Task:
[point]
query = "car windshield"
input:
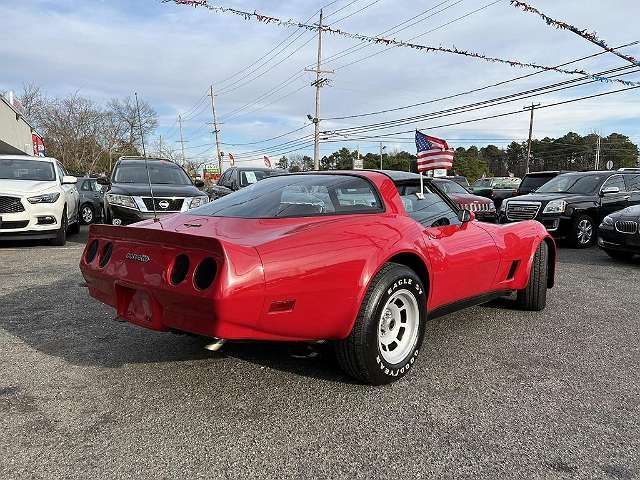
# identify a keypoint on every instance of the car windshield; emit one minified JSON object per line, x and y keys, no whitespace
{"x":533,"y":182}
{"x":483,"y":182}
{"x":447,"y":186}
{"x":17,"y":169}
{"x":573,"y":183}
{"x":161,"y":172}
{"x":249,"y":177}
{"x":297,"y":196}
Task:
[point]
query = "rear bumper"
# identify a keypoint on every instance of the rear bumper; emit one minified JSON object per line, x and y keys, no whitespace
{"x":137,"y":281}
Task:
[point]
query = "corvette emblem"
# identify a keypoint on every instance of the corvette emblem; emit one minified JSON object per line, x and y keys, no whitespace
{"x":163,"y":204}
{"x":137,"y":257}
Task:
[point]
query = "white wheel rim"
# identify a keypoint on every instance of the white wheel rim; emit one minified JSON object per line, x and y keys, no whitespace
{"x":87,"y":214}
{"x":398,"y":327}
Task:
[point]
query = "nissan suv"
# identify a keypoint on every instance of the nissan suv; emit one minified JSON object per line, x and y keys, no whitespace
{"x":128,"y":198}
{"x":572,"y":205}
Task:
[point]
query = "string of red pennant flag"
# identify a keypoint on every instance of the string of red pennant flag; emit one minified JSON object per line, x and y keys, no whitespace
{"x":392,"y":41}
{"x":590,"y":36}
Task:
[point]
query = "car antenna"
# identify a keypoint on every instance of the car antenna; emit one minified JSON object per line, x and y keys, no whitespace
{"x":146,"y":164}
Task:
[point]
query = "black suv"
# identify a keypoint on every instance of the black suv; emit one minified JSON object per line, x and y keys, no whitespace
{"x":572,"y":205}
{"x":235,"y":178}
{"x":128,"y":196}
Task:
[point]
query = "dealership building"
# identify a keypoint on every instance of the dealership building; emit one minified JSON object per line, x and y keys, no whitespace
{"x":17,"y":136}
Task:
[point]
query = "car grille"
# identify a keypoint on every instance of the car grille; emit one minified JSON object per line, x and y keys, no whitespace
{"x":522,"y":211}
{"x":164,"y":204}
{"x":10,"y":205}
{"x":627,"y":226}
{"x":16,"y":224}
{"x":478,"y":207}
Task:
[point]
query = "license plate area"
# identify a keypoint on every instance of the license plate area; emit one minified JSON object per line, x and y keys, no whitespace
{"x":138,"y":306}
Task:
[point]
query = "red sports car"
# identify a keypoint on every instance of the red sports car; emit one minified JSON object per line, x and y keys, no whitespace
{"x":340,"y":256}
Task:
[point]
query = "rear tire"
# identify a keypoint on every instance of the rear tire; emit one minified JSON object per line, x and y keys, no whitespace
{"x":61,"y":235}
{"x":534,"y":296}
{"x":388,"y":332}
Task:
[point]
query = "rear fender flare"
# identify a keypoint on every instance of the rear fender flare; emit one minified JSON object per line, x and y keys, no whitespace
{"x":407,"y":257}
{"x":553,"y":252}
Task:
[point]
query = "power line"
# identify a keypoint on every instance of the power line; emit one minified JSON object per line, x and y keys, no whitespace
{"x":480,"y":105}
{"x":475,"y":90}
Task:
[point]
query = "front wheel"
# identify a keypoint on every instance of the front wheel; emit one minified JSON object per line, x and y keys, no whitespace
{"x":87,"y":215}
{"x":60,"y":239}
{"x":387,"y":334}
{"x":582,"y":231}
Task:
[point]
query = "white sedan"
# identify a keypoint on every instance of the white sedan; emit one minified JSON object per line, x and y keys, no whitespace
{"x":38,"y":200}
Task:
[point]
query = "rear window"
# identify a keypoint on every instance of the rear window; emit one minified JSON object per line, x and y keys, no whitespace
{"x":534,"y":182}
{"x":297,"y":196}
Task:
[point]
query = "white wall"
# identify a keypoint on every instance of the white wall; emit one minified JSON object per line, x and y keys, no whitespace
{"x":15,"y":134}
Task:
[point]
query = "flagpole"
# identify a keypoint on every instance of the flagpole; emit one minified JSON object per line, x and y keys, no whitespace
{"x":421,"y":184}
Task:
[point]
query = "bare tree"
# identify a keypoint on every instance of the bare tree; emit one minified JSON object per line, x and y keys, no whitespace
{"x":125,"y":112}
{"x":34,"y":102}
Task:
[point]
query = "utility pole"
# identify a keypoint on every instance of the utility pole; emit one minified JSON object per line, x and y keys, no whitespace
{"x":319,"y":83}
{"x":216,"y":130}
{"x":597,"y":165}
{"x":532,"y":108}
{"x":181,"y":138}
{"x":381,"y":148}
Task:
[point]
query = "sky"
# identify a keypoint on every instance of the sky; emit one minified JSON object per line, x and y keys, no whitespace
{"x":170,"y":54}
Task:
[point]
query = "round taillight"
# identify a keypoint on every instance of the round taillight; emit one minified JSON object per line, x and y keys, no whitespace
{"x":105,"y":255}
{"x":205,"y":273}
{"x":92,"y":251}
{"x":179,"y":270}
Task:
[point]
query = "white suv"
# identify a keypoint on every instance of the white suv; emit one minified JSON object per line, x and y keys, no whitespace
{"x":38,"y":199}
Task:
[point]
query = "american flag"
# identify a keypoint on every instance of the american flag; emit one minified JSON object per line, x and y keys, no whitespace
{"x":433,"y":153}
{"x":232,"y":159}
{"x":267,"y":162}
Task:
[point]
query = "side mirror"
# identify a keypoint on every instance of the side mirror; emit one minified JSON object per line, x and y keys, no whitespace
{"x":69,"y":180}
{"x":465,"y":215}
{"x":609,"y":191}
{"x":103,"y":181}
{"x":198,"y":183}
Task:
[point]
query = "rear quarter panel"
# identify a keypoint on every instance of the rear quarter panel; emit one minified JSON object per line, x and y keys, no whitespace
{"x":326,"y":267}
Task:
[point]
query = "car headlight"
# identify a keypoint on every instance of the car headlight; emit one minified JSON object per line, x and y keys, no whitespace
{"x":122,"y":200}
{"x":46,"y":198}
{"x":555,"y":206}
{"x":607,"y":220}
{"x":198,"y":201}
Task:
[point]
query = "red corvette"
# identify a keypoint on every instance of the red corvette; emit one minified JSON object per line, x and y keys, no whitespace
{"x":356,"y":258}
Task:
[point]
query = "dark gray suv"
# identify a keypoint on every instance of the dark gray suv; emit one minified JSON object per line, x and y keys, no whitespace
{"x":91,"y":197}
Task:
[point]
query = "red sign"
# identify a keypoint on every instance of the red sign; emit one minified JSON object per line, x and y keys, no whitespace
{"x":38,"y":146}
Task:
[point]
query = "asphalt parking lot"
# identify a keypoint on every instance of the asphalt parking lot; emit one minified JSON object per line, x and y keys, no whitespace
{"x":497,"y":393}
